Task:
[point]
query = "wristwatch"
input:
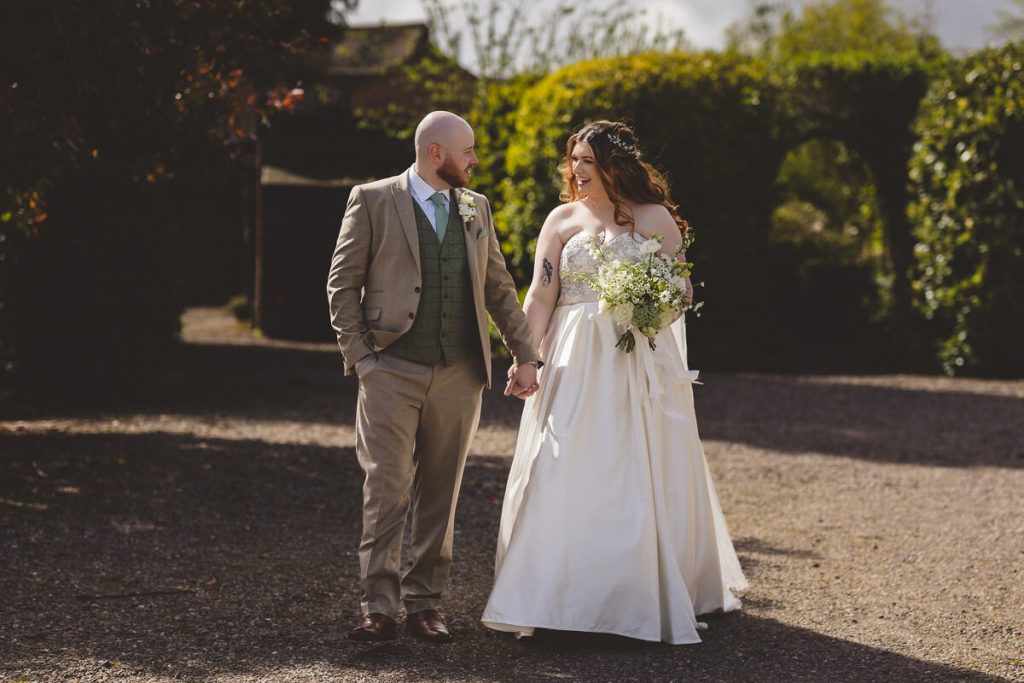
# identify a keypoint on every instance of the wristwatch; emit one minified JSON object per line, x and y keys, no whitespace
{"x":535,"y":363}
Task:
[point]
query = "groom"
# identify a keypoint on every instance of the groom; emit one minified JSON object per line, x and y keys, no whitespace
{"x":415,"y":272}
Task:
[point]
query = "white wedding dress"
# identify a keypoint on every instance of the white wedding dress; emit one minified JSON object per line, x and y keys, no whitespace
{"x":610,"y":522}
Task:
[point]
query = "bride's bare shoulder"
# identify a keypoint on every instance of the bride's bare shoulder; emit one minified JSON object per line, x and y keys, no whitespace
{"x":655,"y":219}
{"x":562,"y":211}
{"x":652,"y":213}
{"x":563,"y":221}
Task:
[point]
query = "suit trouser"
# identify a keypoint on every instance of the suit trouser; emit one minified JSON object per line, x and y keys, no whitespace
{"x":414,"y":424}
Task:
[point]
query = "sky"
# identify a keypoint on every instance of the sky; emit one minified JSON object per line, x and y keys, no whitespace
{"x":960,"y":24}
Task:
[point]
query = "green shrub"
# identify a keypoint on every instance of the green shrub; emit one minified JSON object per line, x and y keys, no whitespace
{"x":493,"y":115}
{"x":968,"y":176}
{"x":797,"y":219}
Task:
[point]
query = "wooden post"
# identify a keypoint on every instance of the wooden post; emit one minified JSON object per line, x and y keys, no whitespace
{"x":257,"y":287}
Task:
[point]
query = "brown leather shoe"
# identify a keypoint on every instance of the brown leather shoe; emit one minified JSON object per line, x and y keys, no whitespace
{"x":428,"y":625}
{"x":373,"y":627}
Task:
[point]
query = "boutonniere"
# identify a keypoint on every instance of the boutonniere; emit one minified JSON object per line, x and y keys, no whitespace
{"x":467,"y":207}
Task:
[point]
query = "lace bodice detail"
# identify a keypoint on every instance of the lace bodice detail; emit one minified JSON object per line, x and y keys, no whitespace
{"x":576,"y":258}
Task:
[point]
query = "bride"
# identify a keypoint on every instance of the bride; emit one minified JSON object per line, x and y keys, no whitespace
{"x":610,"y":521}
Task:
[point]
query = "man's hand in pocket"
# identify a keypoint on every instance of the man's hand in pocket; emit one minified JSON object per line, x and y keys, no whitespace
{"x":365,"y":364}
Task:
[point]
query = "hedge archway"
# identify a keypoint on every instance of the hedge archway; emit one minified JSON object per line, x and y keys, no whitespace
{"x":868,"y":103}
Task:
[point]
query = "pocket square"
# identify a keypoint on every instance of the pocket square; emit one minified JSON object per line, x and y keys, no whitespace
{"x":480,"y":233}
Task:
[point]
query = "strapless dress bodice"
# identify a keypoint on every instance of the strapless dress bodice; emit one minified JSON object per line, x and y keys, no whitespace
{"x":576,"y":259}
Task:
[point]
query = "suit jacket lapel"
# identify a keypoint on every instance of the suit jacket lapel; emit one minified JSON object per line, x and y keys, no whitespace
{"x":403,"y":204}
{"x":471,"y":257}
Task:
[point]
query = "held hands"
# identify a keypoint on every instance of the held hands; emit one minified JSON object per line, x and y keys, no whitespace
{"x":522,"y":381}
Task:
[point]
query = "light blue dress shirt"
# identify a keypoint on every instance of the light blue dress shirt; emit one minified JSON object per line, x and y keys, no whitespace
{"x":422,"y":192}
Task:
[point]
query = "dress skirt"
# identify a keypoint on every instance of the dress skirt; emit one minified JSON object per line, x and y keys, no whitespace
{"x":610,"y":521}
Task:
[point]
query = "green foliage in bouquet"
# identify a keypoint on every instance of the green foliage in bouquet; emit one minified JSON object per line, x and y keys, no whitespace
{"x":643,"y":296}
{"x":968,"y":176}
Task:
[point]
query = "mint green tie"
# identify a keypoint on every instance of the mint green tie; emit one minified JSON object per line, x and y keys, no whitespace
{"x":440,"y":215}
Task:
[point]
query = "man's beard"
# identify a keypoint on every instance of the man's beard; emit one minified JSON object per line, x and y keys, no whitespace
{"x":452,"y":174}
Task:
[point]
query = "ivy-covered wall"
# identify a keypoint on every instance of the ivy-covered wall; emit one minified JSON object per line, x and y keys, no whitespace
{"x":967,"y":175}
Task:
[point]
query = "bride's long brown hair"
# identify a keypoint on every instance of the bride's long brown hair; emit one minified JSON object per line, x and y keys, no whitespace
{"x":625,"y":175}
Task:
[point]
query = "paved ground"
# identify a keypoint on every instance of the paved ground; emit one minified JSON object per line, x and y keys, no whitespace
{"x":208,"y":532}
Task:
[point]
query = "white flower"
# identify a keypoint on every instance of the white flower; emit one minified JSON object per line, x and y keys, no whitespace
{"x":623,"y":314}
{"x":650,"y":247}
{"x":467,"y":207}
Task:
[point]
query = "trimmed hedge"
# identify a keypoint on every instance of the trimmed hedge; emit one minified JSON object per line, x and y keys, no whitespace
{"x":968,"y":175}
{"x":710,"y":122}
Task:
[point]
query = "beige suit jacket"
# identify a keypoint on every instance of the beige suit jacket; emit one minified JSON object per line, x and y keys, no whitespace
{"x":374,"y":283}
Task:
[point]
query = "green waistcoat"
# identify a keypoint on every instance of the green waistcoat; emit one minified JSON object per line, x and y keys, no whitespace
{"x":445,"y":327}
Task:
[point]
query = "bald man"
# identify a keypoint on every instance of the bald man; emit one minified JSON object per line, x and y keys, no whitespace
{"x":416,"y":270}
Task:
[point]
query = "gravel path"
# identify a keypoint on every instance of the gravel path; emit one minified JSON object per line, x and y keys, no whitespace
{"x":207,"y":531}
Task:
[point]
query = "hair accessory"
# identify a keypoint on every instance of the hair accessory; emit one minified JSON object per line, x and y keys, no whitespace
{"x":616,"y":141}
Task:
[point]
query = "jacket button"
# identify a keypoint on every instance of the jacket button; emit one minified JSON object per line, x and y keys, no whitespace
{"x":416,"y":289}
{"x":411,"y":316}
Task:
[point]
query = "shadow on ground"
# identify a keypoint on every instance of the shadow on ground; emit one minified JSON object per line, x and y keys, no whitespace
{"x":168,"y":555}
{"x":778,"y":413}
{"x":255,"y":382}
{"x":878,"y":423}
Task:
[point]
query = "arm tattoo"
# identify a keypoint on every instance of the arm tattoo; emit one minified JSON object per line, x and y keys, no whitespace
{"x":546,"y":277}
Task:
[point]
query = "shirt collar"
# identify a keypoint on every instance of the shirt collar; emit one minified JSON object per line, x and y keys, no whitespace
{"x":421,"y":188}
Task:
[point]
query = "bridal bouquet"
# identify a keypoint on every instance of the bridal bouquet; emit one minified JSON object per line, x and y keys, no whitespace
{"x":643,"y":296}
